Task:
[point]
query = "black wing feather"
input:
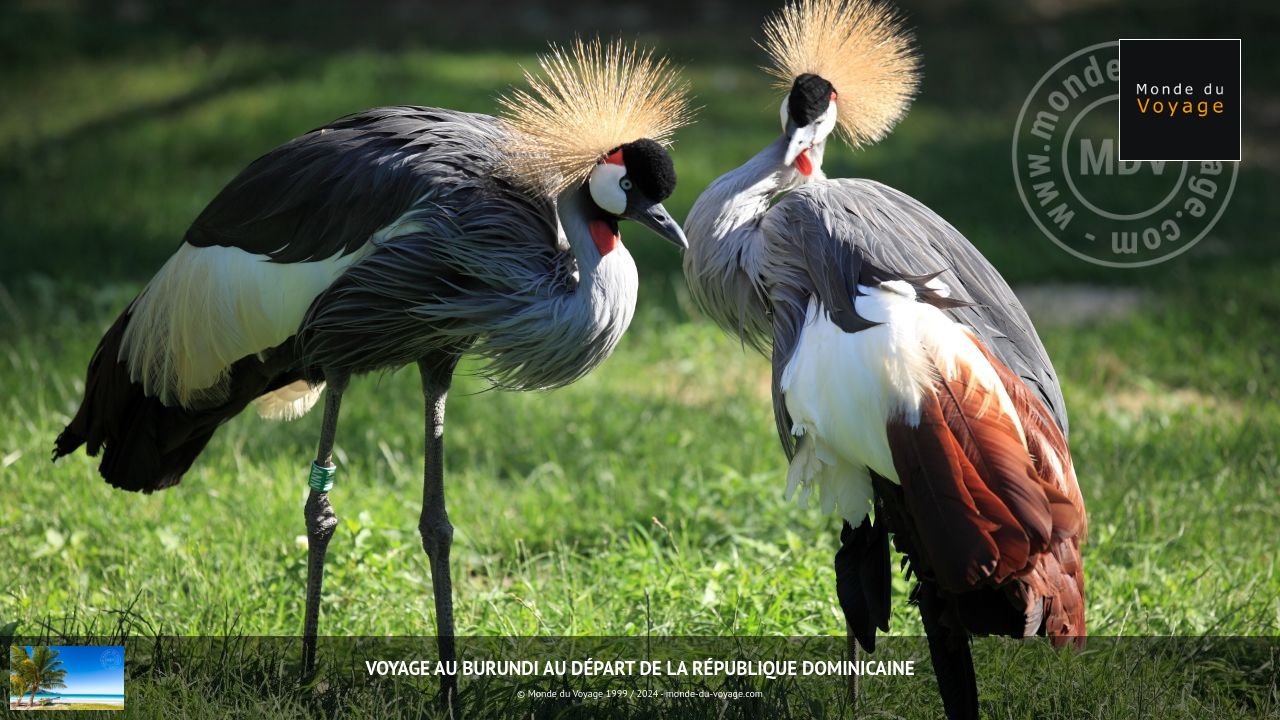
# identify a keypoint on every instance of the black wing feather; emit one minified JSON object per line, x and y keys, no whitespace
{"x":326,"y":192}
{"x":862,"y":579}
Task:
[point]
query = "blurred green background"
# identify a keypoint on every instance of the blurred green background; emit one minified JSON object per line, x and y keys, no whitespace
{"x":648,"y":497}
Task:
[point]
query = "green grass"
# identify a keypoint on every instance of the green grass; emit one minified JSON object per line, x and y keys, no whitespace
{"x":645,"y":499}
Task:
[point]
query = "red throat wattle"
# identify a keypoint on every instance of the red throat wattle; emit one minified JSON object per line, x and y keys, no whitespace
{"x":605,"y":236}
{"x":804,"y":164}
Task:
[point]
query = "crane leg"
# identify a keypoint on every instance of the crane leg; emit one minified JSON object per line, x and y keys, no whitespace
{"x":320,"y":519}
{"x":952,"y":659}
{"x":862,"y":586}
{"x":854,"y":653}
{"x":433,"y":524}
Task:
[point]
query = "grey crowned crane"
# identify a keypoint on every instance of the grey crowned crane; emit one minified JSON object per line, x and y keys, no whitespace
{"x":395,"y":235}
{"x":910,"y":389}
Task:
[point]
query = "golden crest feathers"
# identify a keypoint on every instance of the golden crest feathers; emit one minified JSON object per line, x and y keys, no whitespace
{"x":589,"y":99}
{"x":860,"y":47}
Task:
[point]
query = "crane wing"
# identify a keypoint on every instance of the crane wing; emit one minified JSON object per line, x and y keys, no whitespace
{"x":991,"y":493}
{"x":326,"y":192}
{"x":282,"y":231}
{"x":829,"y":227}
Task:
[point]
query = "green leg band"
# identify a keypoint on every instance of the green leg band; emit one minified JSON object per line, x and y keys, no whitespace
{"x":321,"y":479}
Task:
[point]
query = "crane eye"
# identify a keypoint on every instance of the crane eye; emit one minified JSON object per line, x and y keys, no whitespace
{"x":624,"y":183}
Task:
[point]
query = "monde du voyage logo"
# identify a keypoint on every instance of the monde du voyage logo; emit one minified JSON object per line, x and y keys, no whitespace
{"x":1125,"y":154}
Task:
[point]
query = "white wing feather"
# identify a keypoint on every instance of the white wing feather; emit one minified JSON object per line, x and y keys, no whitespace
{"x":211,"y":306}
{"x":842,"y":389}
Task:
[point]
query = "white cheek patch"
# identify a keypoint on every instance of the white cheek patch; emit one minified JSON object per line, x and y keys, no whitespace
{"x":783,"y":113}
{"x":605,"y":188}
{"x":826,"y":123}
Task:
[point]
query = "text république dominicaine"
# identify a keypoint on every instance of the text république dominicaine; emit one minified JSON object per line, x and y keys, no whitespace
{"x":618,"y":668}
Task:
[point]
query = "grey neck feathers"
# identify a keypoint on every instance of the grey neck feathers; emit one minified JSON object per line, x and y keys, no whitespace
{"x":608,"y":285}
{"x":726,"y":246}
{"x":558,"y":339}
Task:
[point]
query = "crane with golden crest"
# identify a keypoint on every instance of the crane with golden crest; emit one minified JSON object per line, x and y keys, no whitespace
{"x":392,"y":236}
{"x":911,"y":392}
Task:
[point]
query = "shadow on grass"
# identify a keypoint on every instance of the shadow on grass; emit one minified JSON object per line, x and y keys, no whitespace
{"x":122,"y":119}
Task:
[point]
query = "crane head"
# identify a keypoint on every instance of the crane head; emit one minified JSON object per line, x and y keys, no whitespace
{"x":860,"y":48}
{"x":809,"y":114}
{"x":631,"y":181}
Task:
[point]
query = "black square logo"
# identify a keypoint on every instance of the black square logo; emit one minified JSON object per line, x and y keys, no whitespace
{"x":1179,"y":100}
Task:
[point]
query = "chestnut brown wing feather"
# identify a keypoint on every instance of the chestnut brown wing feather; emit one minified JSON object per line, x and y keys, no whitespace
{"x":1059,"y":573}
{"x":989,"y":508}
{"x":1045,"y":439}
{"x":937,"y":480}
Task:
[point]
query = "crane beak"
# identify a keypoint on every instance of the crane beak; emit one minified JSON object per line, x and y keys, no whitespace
{"x":656,"y":218}
{"x":800,"y":141}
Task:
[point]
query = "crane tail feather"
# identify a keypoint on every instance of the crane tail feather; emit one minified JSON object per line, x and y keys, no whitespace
{"x":116,"y":420}
{"x":146,"y":445}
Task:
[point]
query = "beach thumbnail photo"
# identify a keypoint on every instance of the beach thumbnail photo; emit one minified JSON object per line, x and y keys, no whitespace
{"x":66,"y":677}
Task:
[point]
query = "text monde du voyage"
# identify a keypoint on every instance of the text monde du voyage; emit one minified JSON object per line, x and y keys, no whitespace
{"x":1179,"y":99}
